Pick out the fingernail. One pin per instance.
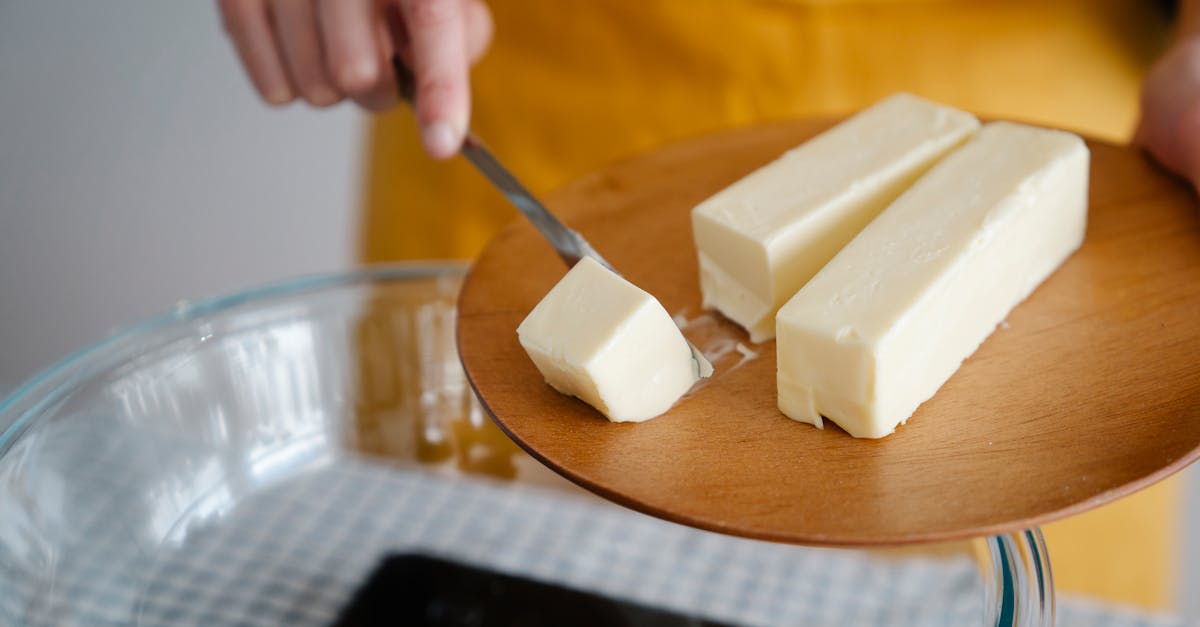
(278, 97)
(323, 96)
(359, 76)
(440, 140)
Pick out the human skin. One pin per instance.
(327, 51)
(1169, 128)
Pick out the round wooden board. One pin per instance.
(1090, 392)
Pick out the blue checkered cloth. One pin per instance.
(295, 552)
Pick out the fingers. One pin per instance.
(479, 28)
(1188, 139)
(354, 51)
(299, 39)
(1169, 128)
(328, 50)
(248, 25)
(437, 45)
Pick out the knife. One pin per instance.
(569, 245)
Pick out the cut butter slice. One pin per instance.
(763, 237)
(602, 339)
(881, 327)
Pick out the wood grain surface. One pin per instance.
(1090, 391)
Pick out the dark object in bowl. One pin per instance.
(412, 589)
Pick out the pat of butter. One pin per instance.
(602, 339)
(762, 238)
(880, 328)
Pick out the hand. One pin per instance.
(1170, 124)
(325, 51)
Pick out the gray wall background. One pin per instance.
(137, 169)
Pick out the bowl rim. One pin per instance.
(51, 382)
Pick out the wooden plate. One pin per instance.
(1090, 392)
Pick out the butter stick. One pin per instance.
(881, 327)
(763, 237)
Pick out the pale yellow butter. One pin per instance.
(881, 327)
(763, 237)
(602, 339)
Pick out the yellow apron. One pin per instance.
(572, 85)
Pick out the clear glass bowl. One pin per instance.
(250, 459)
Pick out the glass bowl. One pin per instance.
(249, 460)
